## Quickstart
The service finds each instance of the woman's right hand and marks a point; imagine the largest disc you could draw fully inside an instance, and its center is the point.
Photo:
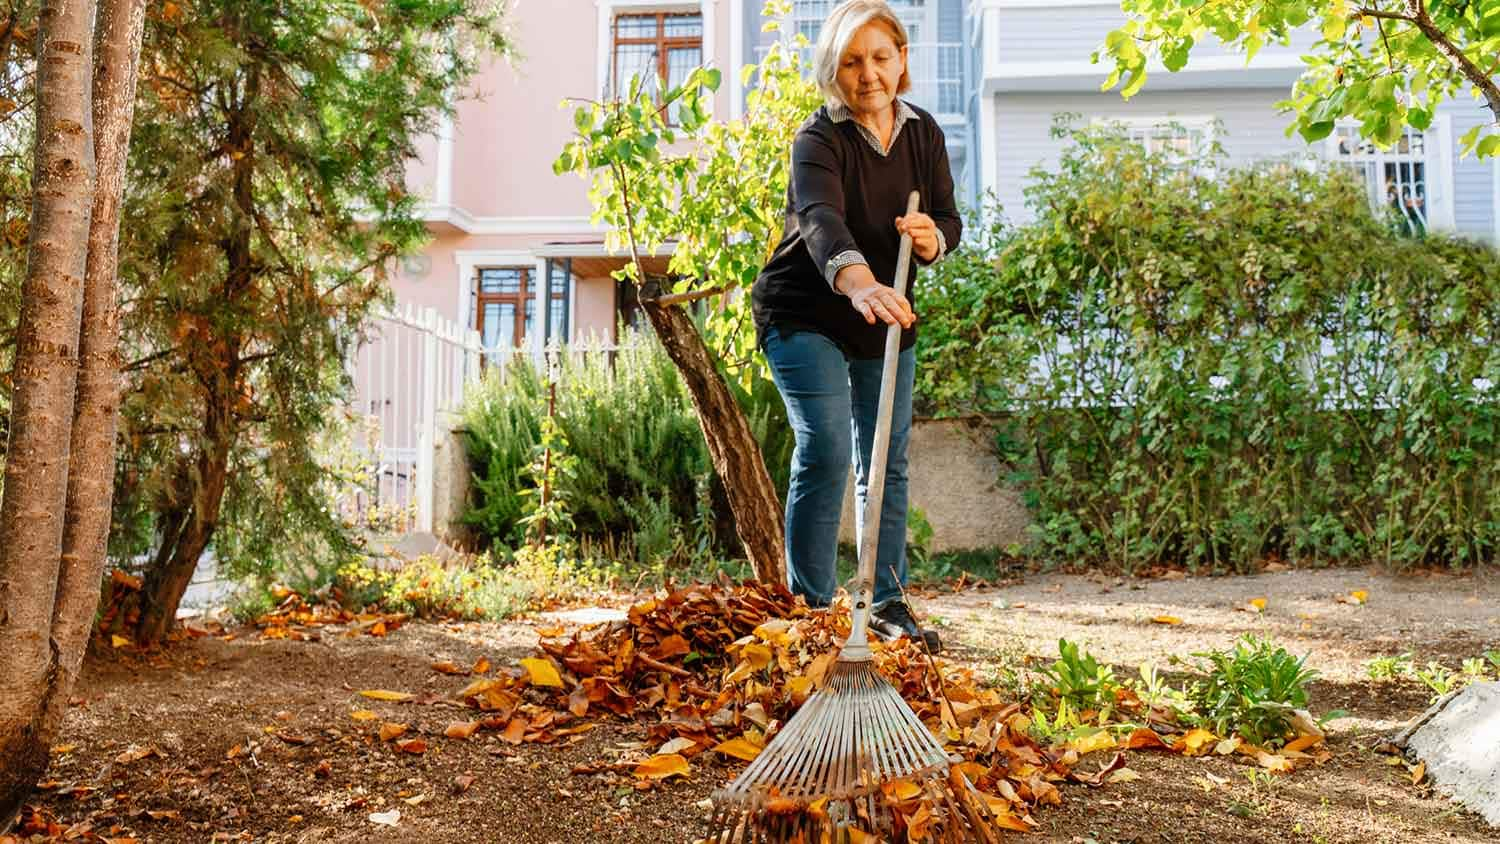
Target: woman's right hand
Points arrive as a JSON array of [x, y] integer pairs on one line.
[[872, 299]]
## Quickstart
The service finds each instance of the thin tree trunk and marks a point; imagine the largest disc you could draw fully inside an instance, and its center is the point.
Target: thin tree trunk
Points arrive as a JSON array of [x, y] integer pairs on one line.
[[91, 473], [187, 533], [735, 453], [46, 367]]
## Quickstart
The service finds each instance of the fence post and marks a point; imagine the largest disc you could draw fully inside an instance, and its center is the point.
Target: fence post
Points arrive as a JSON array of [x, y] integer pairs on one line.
[[427, 439]]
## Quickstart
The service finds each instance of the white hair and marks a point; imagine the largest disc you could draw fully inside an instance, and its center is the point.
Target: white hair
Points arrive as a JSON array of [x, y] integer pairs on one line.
[[838, 30]]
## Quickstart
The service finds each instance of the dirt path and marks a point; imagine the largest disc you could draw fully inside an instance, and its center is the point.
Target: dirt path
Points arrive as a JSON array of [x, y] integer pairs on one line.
[[214, 710]]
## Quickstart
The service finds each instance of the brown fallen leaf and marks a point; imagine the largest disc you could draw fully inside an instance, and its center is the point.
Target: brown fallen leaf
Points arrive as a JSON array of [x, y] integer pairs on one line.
[[481, 666], [462, 783], [412, 745], [324, 769], [296, 739], [461, 729], [389, 731], [446, 667]]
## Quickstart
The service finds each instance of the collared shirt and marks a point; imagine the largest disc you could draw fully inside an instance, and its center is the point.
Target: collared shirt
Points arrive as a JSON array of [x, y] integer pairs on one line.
[[840, 113]]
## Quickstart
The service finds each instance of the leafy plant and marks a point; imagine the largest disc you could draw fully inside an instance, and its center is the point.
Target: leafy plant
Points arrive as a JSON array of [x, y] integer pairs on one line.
[[1078, 678], [1252, 689], [1389, 667], [1204, 371], [1440, 679]]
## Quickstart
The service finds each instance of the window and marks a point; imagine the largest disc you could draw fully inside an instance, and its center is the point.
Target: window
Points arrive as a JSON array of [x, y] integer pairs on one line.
[[1396, 178], [505, 306], [657, 46], [1176, 137]]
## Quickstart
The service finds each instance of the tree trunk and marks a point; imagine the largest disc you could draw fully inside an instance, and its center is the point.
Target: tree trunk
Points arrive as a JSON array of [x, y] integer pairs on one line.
[[736, 454], [91, 472], [46, 366], [186, 532]]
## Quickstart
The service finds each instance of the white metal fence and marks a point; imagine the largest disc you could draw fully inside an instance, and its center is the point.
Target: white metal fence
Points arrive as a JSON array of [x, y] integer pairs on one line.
[[413, 365]]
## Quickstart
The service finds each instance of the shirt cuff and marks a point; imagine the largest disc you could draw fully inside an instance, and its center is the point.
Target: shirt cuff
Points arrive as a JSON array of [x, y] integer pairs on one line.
[[839, 261]]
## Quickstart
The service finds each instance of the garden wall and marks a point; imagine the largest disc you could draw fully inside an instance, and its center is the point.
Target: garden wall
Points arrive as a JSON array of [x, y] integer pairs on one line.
[[955, 480]]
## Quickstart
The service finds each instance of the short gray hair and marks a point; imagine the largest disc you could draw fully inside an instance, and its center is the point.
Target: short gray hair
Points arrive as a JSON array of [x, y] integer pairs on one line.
[[838, 30]]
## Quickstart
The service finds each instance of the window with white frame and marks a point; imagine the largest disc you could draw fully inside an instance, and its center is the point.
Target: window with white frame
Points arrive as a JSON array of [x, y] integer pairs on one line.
[[659, 47], [1397, 178], [1176, 137]]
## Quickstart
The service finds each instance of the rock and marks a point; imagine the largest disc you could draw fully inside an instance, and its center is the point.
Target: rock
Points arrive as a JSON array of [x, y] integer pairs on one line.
[[1459, 739]]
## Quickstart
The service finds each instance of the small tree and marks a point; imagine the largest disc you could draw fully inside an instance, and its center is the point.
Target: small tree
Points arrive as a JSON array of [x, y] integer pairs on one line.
[[716, 191], [1385, 63], [269, 175]]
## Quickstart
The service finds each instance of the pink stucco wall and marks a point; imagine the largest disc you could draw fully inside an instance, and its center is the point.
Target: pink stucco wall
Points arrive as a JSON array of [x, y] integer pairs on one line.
[[509, 127]]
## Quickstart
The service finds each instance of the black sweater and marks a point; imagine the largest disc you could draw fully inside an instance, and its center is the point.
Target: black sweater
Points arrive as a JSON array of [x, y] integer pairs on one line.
[[844, 195]]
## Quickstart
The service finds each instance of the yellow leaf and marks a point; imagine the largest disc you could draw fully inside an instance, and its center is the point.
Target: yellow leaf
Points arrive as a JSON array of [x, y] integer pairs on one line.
[[857, 837], [1100, 740], [759, 656], [1167, 619], [389, 731], [382, 694], [64, 748], [1123, 775], [1227, 746], [1273, 762], [542, 672], [662, 766], [738, 748], [1359, 596], [1418, 773], [363, 715], [118, 641], [1196, 742], [1257, 604], [904, 789]]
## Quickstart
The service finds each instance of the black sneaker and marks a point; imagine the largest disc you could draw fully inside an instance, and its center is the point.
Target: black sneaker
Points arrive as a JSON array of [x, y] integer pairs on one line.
[[894, 620]]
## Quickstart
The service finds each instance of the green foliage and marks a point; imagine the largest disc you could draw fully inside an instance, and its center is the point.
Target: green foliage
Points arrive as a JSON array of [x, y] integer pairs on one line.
[[1252, 690], [264, 197], [1384, 63], [716, 188], [483, 588], [1389, 667], [1080, 679], [1204, 370], [638, 483]]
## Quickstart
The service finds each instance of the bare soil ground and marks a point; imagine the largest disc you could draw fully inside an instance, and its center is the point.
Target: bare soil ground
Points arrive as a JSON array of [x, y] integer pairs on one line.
[[217, 711]]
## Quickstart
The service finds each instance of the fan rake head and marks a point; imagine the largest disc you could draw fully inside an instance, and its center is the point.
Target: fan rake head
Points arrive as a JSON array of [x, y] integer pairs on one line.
[[848, 768]]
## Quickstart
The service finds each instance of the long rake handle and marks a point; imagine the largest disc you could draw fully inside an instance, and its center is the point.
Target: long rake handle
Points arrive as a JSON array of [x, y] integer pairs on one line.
[[858, 646]]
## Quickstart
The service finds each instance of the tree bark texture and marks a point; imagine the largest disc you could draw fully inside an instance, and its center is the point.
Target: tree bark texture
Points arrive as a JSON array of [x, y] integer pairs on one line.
[[736, 456], [46, 366]]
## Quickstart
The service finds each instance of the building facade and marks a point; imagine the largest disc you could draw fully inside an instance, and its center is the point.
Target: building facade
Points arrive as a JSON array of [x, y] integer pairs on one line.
[[515, 256]]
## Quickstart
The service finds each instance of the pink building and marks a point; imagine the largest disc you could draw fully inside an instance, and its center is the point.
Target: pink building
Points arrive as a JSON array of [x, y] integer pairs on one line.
[[508, 234]]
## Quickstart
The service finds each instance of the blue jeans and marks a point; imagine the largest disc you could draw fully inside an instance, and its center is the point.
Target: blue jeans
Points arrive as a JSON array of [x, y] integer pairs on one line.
[[831, 402]]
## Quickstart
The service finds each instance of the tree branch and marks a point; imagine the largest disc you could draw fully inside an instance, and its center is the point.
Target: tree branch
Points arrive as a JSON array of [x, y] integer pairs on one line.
[[1462, 63]]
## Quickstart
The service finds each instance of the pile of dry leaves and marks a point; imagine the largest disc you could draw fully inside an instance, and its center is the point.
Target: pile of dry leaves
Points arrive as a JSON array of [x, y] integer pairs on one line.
[[717, 668]]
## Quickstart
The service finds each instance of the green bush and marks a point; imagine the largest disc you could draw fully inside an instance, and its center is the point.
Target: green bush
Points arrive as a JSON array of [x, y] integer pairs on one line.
[[1252, 690], [1203, 365], [640, 483]]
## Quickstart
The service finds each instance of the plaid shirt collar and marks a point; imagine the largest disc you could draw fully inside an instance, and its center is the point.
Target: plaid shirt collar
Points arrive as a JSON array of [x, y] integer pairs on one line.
[[839, 113]]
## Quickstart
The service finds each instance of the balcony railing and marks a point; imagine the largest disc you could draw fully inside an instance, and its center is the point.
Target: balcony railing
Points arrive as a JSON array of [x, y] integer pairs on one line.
[[936, 70]]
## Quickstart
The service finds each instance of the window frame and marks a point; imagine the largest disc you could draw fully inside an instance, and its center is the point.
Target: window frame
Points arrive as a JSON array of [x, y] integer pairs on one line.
[[522, 299], [663, 43], [1436, 159]]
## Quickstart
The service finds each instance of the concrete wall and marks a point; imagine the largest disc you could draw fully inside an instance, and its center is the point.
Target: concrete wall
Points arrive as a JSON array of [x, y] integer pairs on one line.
[[955, 481]]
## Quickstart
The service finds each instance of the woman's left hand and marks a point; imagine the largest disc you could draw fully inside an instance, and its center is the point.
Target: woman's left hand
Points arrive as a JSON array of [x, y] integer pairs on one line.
[[923, 231]]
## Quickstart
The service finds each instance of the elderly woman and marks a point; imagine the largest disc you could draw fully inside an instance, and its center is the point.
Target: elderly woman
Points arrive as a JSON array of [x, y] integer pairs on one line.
[[824, 299]]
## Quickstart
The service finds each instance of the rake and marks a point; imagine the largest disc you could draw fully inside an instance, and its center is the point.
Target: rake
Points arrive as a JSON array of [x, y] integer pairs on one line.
[[844, 767]]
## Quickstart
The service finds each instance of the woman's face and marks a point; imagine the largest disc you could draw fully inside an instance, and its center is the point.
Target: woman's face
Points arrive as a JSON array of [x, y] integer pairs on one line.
[[870, 69]]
